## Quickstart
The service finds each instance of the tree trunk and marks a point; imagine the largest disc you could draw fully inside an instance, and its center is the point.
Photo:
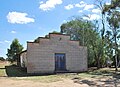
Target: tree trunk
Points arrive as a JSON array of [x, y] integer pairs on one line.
[[98, 64], [116, 69]]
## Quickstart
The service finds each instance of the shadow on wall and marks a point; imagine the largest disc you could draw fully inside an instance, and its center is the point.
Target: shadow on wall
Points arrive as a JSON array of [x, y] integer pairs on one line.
[[15, 71]]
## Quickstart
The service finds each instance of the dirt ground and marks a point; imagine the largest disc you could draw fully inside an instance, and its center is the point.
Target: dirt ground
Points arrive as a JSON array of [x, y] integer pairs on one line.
[[104, 82], [7, 82]]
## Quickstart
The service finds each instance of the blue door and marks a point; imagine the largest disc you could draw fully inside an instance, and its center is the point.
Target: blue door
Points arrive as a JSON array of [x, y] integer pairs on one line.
[[60, 63]]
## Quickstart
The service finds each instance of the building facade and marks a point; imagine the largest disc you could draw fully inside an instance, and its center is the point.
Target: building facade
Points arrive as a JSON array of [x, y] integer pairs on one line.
[[56, 53]]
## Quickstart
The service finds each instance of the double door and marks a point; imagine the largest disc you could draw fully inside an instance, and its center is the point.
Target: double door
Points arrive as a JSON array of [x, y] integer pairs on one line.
[[60, 62]]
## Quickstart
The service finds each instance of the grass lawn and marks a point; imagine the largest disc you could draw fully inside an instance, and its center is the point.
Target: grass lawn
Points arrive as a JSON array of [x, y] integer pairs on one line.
[[18, 74]]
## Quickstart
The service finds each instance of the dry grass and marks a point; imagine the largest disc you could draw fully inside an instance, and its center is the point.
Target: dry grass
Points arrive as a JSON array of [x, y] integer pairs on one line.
[[2, 68], [17, 74], [105, 77]]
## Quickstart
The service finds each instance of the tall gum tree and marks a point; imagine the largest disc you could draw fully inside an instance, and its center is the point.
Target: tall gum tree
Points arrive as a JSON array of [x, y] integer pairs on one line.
[[113, 18], [85, 31]]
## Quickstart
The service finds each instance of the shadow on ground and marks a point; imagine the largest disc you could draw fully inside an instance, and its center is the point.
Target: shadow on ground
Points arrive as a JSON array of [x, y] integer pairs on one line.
[[2, 68], [113, 81], [98, 83], [100, 79]]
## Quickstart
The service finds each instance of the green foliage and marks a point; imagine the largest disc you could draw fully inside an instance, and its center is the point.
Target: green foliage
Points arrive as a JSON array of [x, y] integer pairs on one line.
[[113, 18], [56, 32], [2, 59], [86, 33], [108, 45], [15, 49], [114, 4], [78, 29]]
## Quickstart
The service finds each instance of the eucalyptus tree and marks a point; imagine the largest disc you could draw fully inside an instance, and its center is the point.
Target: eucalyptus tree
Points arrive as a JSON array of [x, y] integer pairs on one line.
[[100, 5], [113, 18], [113, 5], [86, 32], [114, 22], [108, 45]]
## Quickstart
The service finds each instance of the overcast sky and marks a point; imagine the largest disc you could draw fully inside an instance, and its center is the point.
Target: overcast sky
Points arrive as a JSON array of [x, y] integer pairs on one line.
[[29, 19]]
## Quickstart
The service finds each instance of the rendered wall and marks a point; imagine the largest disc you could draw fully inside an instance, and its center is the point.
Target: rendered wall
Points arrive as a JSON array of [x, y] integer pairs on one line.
[[23, 60], [40, 56]]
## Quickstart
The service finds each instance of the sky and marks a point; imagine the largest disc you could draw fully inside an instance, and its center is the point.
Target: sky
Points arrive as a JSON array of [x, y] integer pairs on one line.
[[28, 19]]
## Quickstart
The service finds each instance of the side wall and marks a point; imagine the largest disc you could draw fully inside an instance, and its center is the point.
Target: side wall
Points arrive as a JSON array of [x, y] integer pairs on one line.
[[23, 60], [41, 55]]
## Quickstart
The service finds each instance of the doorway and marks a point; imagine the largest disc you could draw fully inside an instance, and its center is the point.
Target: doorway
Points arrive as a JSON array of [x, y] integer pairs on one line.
[[60, 62]]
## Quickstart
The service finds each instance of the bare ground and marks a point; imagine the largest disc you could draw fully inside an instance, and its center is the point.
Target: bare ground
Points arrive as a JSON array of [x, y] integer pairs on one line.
[[65, 82], [8, 82], [58, 81]]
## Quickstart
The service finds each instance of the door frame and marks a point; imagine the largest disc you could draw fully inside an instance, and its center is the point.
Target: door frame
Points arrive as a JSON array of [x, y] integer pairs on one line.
[[60, 61]]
